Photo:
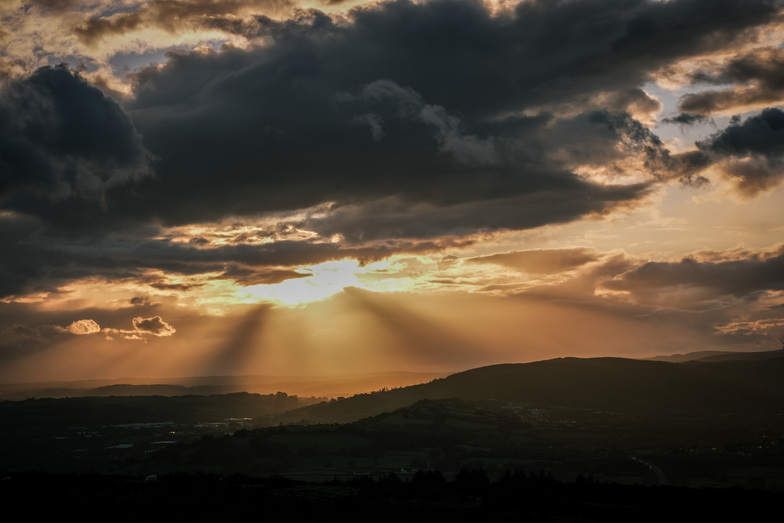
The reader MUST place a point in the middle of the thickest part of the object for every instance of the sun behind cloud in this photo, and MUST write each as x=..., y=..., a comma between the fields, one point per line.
x=325, y=280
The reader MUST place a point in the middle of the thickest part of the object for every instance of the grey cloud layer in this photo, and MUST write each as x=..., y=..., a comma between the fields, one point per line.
x=731, y=294
x=63, y=145
x=37, y=260
x=729, y=277
x=757, y=78
x=414, y=101
x=750, y=152
x=740, y=277
x=416, y=121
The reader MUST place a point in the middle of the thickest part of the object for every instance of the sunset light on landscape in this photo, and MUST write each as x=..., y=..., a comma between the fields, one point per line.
x=321, y=188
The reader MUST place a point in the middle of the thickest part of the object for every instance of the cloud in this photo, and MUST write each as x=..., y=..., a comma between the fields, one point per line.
x=395, y=127
x=634, y=101
x=686, y=119
x=82, y=327
x=758, y=78
x=761, y=326
x=393, y=218
x=735, y=296
x=700, y=281
x=140, y=301
x=177, y=16
x=541, y=261
x=407, y=150
x=760, y=134
x=251, y=276
x=181, y=287
x=63, y=144
x=431, y=116
x=736, y=286
x=750, y=152
x=611, y=143
x=55, y=5
x=37, y=260
x=410, y=105
x=155, y=326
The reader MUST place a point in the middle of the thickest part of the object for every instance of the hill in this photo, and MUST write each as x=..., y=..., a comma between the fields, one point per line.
x=632, y=421
x=739, y=388
x=450, y=435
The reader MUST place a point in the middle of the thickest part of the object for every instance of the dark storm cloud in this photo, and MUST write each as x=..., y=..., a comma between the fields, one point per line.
x=35, y=259
x=603, y=138
x=18, y=263
x=758, y=77
x=743, y=277
x=750, y=152
x=416, y=122
x=761, y=134
x=411, y=101
x=62, y=145
x=300, y=120
x=634, y=101
x=548, y=205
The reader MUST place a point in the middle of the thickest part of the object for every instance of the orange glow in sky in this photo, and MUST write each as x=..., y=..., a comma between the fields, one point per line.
x=244, y=187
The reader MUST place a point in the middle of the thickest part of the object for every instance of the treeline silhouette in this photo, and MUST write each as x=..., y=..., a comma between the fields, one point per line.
x=470, y=496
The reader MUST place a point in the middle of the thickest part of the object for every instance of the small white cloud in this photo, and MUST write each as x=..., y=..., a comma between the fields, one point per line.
x=154, y=326
x=81, y=327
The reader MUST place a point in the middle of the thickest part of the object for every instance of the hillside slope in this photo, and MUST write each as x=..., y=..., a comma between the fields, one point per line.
x=739, y=388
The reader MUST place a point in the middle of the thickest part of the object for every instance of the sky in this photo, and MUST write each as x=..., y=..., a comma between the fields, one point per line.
x=277, y=187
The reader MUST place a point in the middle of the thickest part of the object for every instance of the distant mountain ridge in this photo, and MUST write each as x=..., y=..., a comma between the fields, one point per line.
x=710, y=388
x=704, y=383
x=303, y=386
x=719, y=356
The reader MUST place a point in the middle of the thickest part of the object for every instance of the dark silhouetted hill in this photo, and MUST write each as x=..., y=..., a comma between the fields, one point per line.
x=724, y=388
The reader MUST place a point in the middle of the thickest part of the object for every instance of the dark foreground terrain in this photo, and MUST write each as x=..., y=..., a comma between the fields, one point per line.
x=561, y=440
x=428, y=496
